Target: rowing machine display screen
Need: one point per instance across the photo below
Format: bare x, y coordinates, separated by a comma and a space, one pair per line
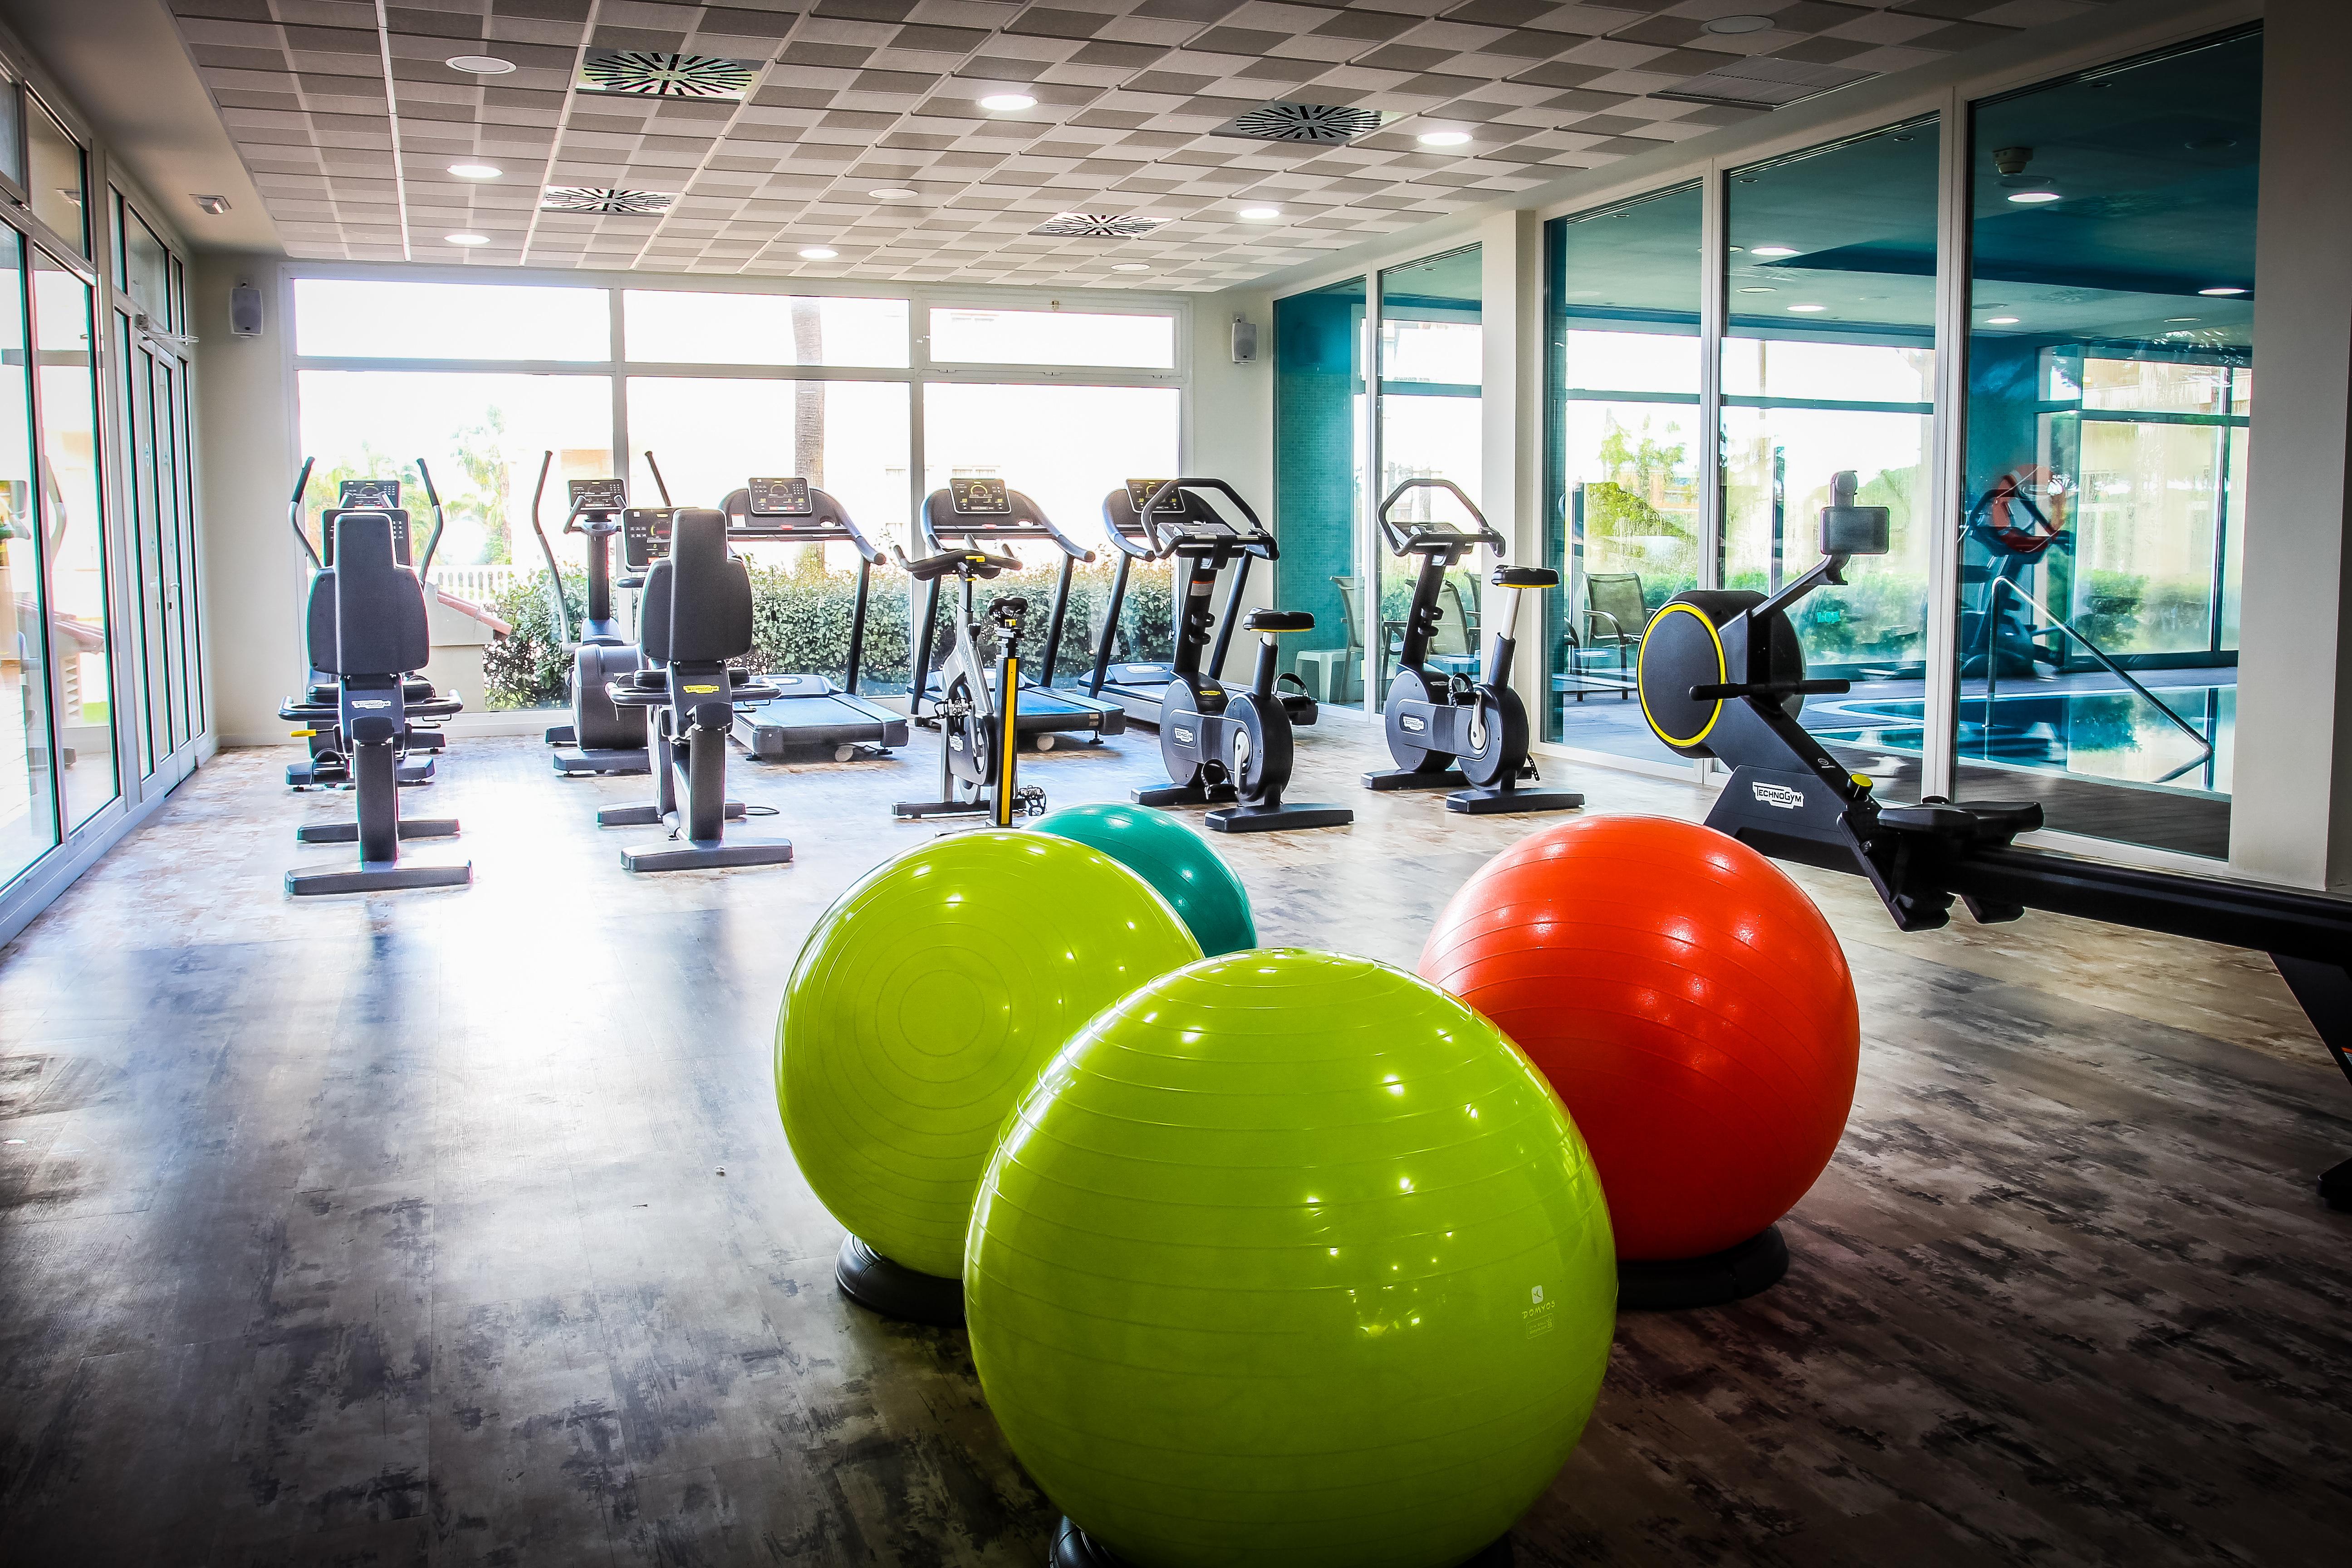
598, 495
780, 498
645, 535
978, 498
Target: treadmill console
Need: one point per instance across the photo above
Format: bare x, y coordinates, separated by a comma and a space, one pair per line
778, 499
645, 535
978, 498
1140, 490
368, 495
598, 495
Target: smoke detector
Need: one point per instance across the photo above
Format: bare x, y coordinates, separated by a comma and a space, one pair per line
646, 73
1321, 123
1099, 225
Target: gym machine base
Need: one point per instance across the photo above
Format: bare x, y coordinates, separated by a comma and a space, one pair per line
697, 615
367, 628
895, 1290
1233, 750
809, 713
1073, 1548
980, 745
1721, 674
1445, 732
601, 739
1163, 520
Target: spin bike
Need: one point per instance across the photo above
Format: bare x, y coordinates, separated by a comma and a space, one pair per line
1226, 747
601, 739
1442, 730
979, 750
1721, 674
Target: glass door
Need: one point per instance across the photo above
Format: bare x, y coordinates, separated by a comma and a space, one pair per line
1319, 480
1431, 342
151, 483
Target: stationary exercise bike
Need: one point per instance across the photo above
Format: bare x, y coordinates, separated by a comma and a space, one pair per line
979, 750
601, 738
1232, 748
1444, 729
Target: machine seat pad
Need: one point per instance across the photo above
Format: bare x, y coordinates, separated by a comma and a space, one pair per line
1280, 621
1525, 577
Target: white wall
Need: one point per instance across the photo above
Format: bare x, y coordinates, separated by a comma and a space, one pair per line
254, 578
1232, 416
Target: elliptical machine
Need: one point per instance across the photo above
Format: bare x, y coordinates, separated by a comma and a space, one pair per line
1442, 730
979, 750
601, 739
329, 765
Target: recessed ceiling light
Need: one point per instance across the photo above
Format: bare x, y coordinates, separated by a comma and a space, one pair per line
466, 238
1807, 310
1444, 138
1131, 267
890, 193
1008, 102
476, 171
2001, 321
2032, 199
818, 253
1260, 214
2216, 293
1773, 250
480, 65
1734, 26
2176, 321
1760, 290
211, 206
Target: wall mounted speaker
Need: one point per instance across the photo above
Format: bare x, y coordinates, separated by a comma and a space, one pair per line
1244, 339
245, 311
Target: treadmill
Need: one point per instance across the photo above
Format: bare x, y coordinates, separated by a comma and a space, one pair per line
991, 516
1184, 523
813, 715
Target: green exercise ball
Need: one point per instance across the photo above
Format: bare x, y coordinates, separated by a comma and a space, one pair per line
1178, 863
923, 1005
1291, 1260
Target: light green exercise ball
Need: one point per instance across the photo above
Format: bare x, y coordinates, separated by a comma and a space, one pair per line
1291, 1260
923, 1005
1178, 863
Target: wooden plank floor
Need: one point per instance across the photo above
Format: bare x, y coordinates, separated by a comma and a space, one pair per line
458, 1227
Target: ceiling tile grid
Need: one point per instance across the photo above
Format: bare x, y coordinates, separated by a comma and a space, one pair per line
350, 121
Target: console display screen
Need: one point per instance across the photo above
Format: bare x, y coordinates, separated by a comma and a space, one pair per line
975, 497
368, 495
645, 535
782, 497
1140, 490
598, 495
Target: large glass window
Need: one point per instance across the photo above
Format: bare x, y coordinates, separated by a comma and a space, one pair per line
1065, 447
1829, 363
75, 534
56, 175
1431, 377
2110, 405
1318, 481
976, 334
686, 327
1623, 456
27, 778
146, 268
339, 317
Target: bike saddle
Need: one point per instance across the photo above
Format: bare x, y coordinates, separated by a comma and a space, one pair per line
1525, 577
1278, 621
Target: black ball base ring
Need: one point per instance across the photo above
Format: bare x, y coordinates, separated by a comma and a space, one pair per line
1677, 1284
1073, 1548
895, 1290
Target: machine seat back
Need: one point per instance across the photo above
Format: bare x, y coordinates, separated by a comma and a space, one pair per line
698, 603
367, 611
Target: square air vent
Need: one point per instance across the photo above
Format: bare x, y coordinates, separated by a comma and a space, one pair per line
1099, 225
597, 199
646, 73
1760, 83
1321, 123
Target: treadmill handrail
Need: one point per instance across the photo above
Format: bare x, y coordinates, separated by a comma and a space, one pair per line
993, 527
842, 529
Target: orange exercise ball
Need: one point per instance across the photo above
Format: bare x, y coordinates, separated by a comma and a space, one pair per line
1687, 1001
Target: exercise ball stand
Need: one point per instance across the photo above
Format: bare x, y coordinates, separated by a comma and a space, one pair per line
1741, 1269
895, 1290
1073, 1548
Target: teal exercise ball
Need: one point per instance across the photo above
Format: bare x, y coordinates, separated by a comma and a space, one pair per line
1291, 1260
1178, 863
924, 1002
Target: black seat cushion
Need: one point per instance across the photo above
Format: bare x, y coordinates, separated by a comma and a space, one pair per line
1278, 621
367, 611
698, 603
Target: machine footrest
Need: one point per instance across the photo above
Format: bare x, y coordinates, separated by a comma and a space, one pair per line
685, 854
1414, 778
1187, 794
1279, 819
1498, 802
349, 832
650, 815
620, 759
373, 877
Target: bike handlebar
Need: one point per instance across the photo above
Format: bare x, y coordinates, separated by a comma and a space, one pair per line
1405, 538
972, 558
1256, 542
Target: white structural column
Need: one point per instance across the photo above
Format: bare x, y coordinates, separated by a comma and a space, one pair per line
1510, 393
2292, 817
